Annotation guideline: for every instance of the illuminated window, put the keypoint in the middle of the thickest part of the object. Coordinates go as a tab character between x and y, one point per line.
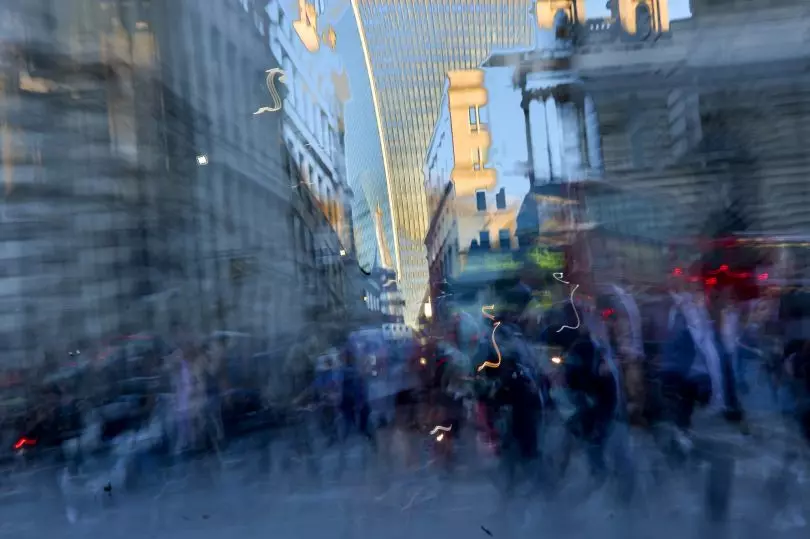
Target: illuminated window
231	62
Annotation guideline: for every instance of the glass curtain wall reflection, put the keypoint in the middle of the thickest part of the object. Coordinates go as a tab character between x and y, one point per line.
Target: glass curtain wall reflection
409	48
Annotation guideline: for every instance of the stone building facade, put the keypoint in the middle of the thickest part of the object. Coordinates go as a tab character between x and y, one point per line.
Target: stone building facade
710	111
140	190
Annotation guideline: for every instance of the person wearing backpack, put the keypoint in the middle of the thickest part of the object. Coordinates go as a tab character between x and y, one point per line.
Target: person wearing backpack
591	386
354	405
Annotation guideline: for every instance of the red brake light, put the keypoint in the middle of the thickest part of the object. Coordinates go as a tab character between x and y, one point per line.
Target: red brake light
677	271
762	277
22	442
724	267
711	281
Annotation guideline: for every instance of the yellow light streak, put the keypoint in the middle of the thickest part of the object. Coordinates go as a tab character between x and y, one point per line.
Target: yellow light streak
485	364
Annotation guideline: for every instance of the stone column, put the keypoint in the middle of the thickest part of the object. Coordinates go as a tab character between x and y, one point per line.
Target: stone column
539	140
572	140
554	131
592	137
562	126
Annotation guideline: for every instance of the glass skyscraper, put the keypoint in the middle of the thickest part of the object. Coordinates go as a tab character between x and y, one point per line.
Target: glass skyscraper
409	47
364	162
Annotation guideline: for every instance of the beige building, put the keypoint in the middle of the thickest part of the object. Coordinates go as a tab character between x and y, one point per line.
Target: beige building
473	199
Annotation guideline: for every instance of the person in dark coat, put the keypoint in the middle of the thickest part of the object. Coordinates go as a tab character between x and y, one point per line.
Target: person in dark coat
354	405
794	323
724	324
590	386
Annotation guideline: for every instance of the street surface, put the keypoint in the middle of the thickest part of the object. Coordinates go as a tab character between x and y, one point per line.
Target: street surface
236	495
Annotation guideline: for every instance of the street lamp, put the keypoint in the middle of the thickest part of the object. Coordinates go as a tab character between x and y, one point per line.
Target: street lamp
428	310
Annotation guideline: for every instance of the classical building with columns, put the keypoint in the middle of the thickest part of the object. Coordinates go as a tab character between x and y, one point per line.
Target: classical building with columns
645	129
709	113
576	204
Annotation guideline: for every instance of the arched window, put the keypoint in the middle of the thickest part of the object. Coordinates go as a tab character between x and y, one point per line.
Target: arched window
562	24
644	22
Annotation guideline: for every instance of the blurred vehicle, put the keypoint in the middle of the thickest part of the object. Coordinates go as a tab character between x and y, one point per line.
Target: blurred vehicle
12	409
52	414
749	263
117	387
130	374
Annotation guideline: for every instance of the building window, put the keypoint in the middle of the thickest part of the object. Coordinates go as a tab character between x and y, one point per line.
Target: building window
235	84
500	199
481	200
484	239
475	123
503	239
199	64
296	245
644	21
311	247
477	159
483	118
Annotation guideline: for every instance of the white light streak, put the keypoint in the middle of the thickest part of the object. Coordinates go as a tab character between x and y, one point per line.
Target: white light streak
271	74
559	277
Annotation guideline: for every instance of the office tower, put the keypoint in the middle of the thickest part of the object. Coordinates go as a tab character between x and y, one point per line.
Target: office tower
408	49
364	162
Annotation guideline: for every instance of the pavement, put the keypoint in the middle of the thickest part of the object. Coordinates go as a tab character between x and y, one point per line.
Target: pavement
424	508
252	490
